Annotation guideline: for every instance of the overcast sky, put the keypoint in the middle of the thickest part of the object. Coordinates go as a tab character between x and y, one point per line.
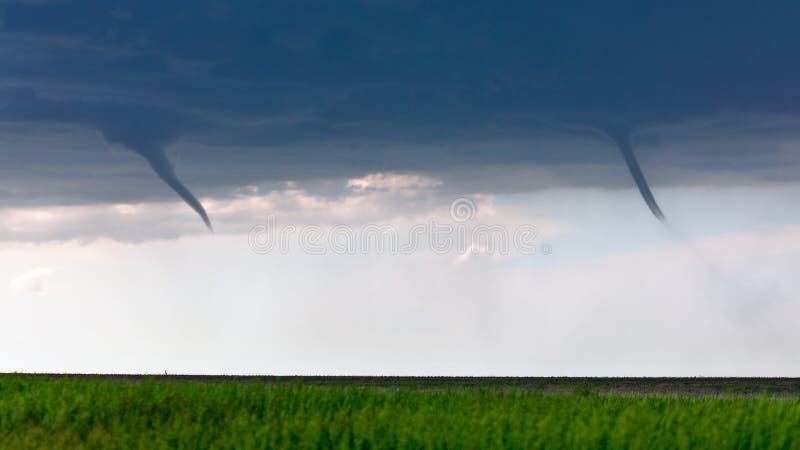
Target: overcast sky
124	125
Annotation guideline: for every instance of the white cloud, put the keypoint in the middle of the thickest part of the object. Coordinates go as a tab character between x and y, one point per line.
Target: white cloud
399	200
32	281
392	182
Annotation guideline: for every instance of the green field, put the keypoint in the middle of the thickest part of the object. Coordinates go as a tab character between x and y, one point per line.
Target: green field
96	412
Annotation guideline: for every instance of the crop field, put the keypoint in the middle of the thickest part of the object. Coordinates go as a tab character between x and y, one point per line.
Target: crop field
47	411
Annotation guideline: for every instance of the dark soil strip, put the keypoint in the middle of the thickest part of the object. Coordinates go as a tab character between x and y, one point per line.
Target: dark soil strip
639	385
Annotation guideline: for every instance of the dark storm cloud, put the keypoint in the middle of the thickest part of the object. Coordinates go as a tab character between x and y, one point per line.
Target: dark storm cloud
347	83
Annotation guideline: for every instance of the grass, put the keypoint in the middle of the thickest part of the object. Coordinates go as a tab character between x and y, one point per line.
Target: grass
80	412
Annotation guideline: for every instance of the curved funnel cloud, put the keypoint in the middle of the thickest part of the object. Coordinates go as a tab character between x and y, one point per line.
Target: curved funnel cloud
163	168
623	141
141	129
146	131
